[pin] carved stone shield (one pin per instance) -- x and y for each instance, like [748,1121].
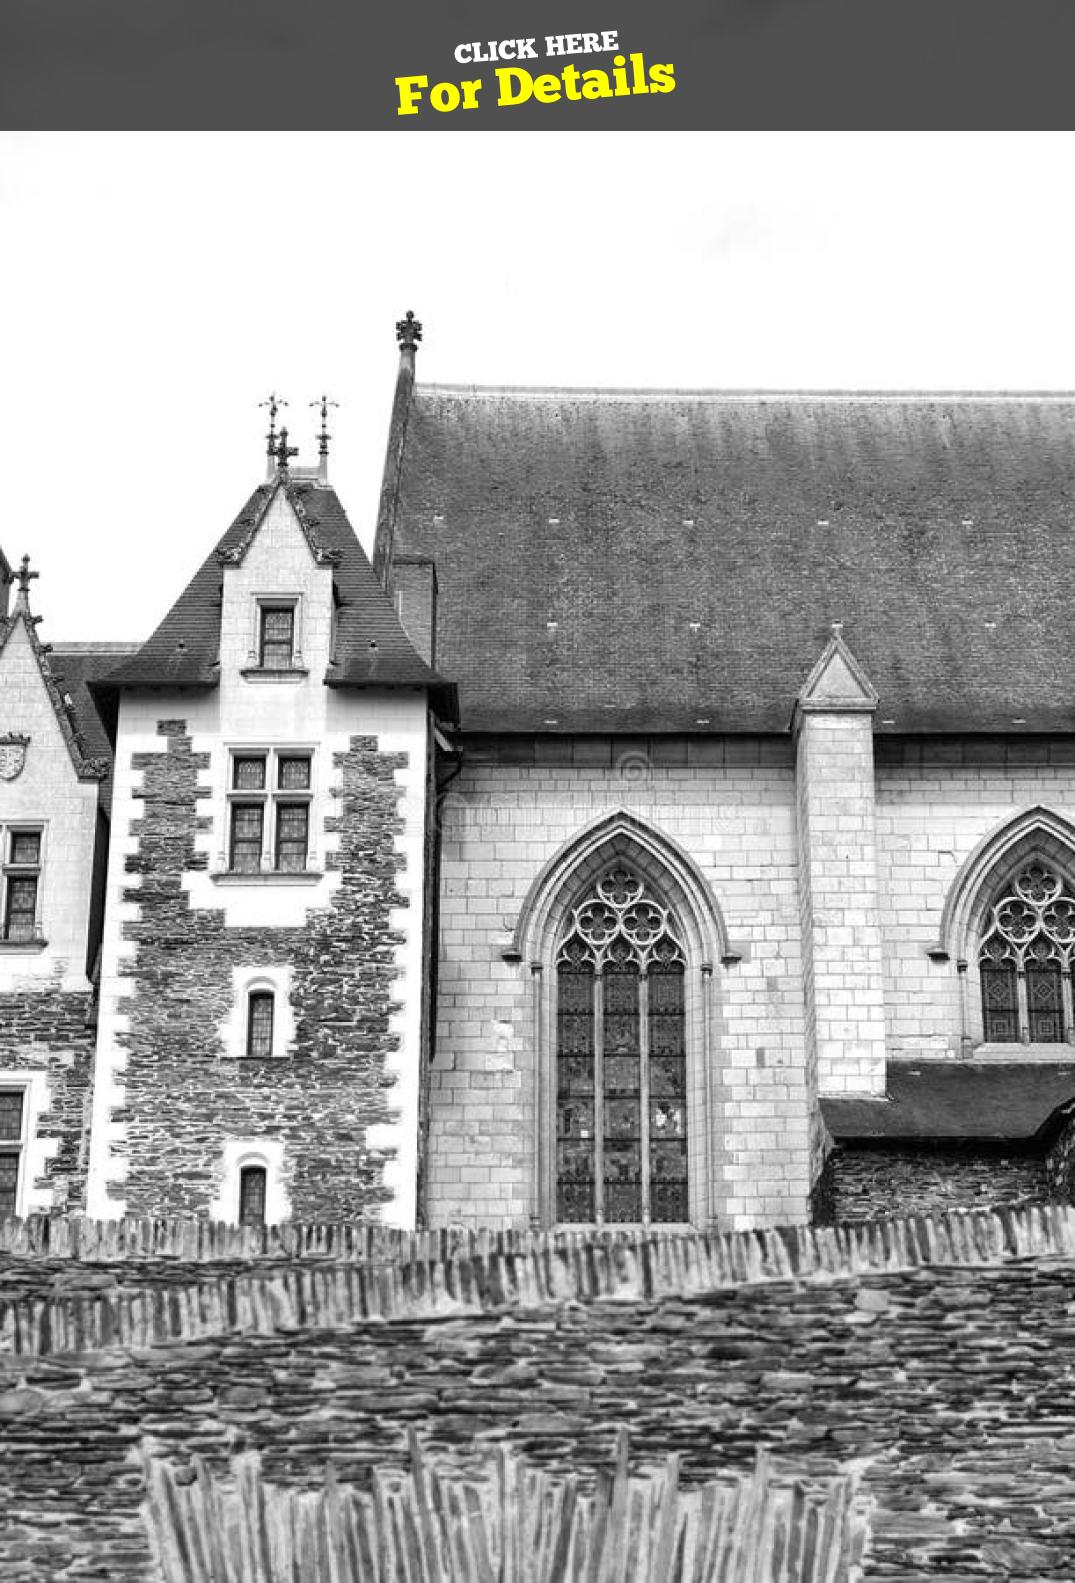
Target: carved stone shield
[12,754]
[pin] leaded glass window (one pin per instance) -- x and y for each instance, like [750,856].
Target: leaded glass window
[246,827]
[11,1119]
[1026,960]
[9,1182]
[20,880]
[621,1088]
[292,827]
[259,1023]
[252,1195]
[277,637]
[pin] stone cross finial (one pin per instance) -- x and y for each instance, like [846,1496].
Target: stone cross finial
[284,451]
[274,404]
[324,402]
[409,331]
[25,577]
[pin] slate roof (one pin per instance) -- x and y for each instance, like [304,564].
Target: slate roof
[648,561]
[75,666]
[940,1100]
[184,651]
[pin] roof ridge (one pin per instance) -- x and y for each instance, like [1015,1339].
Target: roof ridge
[735,393]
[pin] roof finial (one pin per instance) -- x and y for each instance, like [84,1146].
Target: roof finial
[274,404]
[836,627]
[408,332]
[284,451]
[25,577]
[325,402]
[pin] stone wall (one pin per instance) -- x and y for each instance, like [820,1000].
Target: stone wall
[182,1095]
[46,1049]
[935,1358]
[864,1181]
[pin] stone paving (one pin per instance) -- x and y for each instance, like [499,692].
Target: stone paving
[951,1391]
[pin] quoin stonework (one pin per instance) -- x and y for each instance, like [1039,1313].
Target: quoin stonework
[671,823]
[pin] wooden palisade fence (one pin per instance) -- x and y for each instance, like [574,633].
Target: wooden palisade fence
[517,1524]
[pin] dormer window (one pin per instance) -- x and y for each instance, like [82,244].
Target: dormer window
[276,640]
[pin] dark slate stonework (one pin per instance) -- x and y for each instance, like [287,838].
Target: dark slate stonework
[183,1096]
[863,1182]
[950,1389]
[1060,1160]
[46,1029]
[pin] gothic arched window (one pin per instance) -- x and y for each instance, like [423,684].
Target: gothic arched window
[1026,960]
[621,1069]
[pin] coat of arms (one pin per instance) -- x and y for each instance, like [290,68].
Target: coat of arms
[13,747]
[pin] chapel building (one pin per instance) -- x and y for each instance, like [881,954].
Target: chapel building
[671,823]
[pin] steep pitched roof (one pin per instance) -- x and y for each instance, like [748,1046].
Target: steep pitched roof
[76,666]
[649,561]
[79,723]
[184,651]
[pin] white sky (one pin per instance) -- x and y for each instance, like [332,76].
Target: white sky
[155,286]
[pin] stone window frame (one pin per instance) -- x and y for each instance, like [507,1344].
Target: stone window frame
[983,879]
[274,980]
[239,1154]
[681,887]
[262,602]
[270,797]
[9,871]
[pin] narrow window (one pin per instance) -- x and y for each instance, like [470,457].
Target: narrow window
[277,637]
[621,1128]
[11,1108]
[252,1195]
[22,876]
[1026,960]
[246,828]
[259,1023]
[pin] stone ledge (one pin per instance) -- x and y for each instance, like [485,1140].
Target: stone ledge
[307,877]
[255,673]
[13,947]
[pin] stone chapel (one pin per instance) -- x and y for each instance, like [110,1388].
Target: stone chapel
[672,823]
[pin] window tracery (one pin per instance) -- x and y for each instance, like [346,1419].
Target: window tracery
[1026,960]
[621,1145]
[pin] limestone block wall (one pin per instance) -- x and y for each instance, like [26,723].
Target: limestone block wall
[936,800]
[842,950]
[731,807]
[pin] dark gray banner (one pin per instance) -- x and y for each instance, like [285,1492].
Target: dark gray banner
[597,64]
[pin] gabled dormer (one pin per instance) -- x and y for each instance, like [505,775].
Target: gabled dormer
[287,593]
[48,808]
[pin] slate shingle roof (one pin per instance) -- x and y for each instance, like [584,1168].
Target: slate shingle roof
[647,561]
[184,650]
[945,1100]
[75,666]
